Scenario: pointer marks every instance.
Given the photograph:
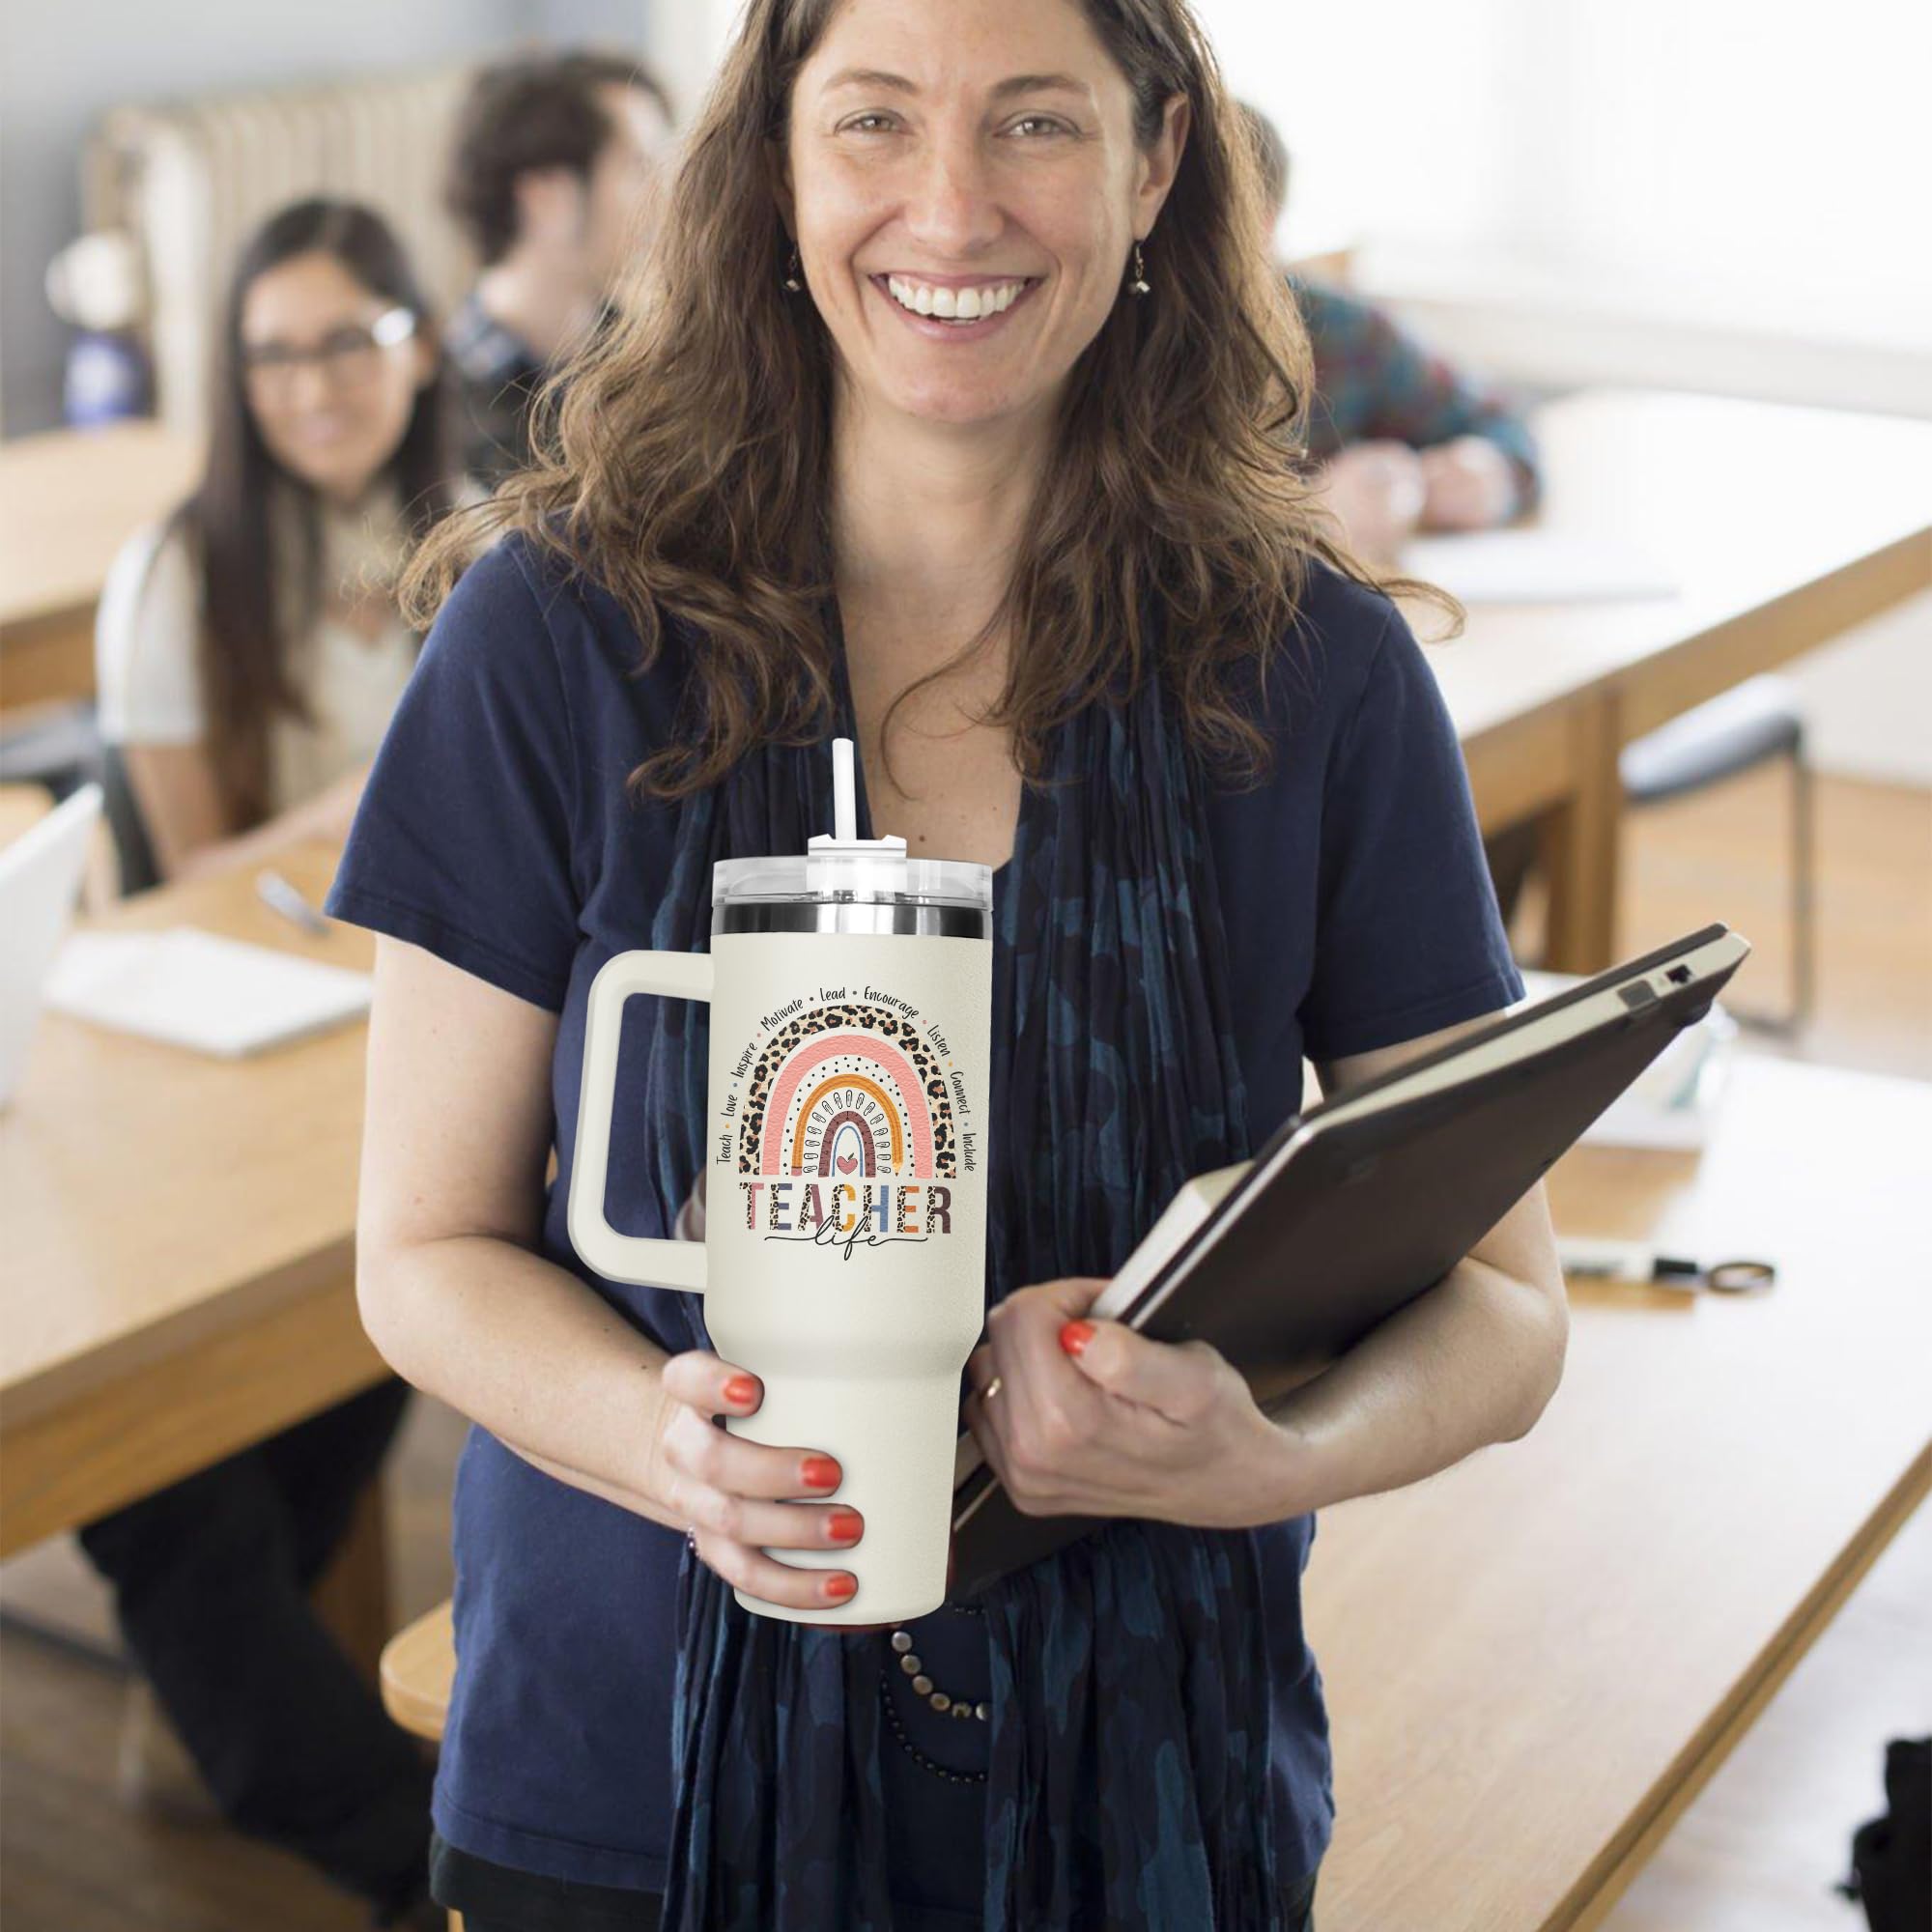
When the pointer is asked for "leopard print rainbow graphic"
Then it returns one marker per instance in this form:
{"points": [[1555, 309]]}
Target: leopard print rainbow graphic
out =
{"points": [[846, 1134], [847, 1093]]}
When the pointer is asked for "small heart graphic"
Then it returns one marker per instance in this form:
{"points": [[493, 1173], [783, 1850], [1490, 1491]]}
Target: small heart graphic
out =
{"points": [[847, 1162]]}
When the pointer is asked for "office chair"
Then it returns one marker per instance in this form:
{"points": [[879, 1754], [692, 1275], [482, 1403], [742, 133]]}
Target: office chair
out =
{"points": [[63, 751], [1721, 739]]}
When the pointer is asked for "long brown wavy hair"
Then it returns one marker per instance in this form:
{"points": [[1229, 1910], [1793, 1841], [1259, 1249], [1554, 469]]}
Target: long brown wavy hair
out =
{"points": [[683, 463]]}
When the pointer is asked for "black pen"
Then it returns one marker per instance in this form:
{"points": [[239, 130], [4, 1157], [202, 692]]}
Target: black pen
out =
{"points": [[1584, 1258]]}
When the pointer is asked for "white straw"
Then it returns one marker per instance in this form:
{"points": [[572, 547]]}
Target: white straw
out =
{"points": [[844, 811]]}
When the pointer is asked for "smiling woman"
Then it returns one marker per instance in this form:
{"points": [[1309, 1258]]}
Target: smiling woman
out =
{"points": [[249, 655], [962, 394]]}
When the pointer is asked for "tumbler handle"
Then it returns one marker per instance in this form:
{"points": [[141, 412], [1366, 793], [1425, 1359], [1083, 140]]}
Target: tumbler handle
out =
{"points": [[631, 1257]]}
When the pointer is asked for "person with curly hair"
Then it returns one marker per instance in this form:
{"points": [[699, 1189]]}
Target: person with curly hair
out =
{"points": [[961, 413]]}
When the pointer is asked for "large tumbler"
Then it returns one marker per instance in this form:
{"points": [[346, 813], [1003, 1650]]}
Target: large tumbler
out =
{"points": [[843, 1261]]}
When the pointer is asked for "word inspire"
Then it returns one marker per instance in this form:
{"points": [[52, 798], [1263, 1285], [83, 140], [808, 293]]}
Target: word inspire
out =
{"points": [[847, 1214]]}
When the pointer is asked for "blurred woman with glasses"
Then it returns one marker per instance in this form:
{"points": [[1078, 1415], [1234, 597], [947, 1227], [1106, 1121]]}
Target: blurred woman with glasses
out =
{"points": [[250, 656], [248, 651]]}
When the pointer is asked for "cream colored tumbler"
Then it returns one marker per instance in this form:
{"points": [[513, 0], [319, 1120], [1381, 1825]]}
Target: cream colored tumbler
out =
{"points": [[843, 1261]]}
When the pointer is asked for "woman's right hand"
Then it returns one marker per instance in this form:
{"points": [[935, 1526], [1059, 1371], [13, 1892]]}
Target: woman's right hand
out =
{"points": [[734, 1492]]}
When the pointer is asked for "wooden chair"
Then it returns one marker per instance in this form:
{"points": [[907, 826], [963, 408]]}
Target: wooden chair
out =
{"points": [[418, 1669]]}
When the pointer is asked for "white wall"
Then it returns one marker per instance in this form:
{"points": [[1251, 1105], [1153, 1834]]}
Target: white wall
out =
{"points": [[60, 66], [1754, 162], [1387, 111], [1723, 160], [684, 39]]}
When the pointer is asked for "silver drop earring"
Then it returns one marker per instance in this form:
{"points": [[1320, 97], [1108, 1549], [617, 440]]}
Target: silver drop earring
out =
{"points": [[792, 284], [1138, 285]]}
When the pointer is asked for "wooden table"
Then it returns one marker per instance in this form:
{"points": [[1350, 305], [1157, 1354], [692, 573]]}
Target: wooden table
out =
{"points": [[177, 1276], [68, 499], [1782, 527], [1536, 1659]]}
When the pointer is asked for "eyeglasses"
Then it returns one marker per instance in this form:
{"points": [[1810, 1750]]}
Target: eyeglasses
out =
{"points": [[345, 356]]}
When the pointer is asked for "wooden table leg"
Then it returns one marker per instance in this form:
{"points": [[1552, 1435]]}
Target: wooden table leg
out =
{"points": [[352, 1596], [1580, 846]]}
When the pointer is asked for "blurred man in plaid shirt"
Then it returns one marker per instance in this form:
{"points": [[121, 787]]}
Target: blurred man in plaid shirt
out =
{"points": [[1406, 442]]}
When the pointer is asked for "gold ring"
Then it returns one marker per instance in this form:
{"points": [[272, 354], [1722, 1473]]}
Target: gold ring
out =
{"points": [[991, 1389]]}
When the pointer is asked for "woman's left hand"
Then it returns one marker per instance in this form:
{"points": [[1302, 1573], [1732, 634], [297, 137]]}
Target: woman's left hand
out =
{"points": [[1092, 1419]]}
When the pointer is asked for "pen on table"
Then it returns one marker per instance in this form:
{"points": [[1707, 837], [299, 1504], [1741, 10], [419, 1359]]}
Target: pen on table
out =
{"points": [[279, 895], [1587, 1259]]}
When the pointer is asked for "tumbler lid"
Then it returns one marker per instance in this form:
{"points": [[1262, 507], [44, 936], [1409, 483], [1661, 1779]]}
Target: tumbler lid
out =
{"points": [[839, 864]]}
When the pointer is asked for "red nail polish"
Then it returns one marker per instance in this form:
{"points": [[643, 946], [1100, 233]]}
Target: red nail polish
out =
{"points": [[1075, 1335], [840, 1586], [820, 1472], [845, 1525], [741, 1391]]}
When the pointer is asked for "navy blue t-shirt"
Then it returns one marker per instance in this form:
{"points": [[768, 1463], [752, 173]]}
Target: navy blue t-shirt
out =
{"points": [[495, 832]]}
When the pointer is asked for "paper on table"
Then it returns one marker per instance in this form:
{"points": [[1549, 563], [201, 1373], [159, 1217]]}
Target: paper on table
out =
{"points": [[198, 990], [1535, 566]]}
